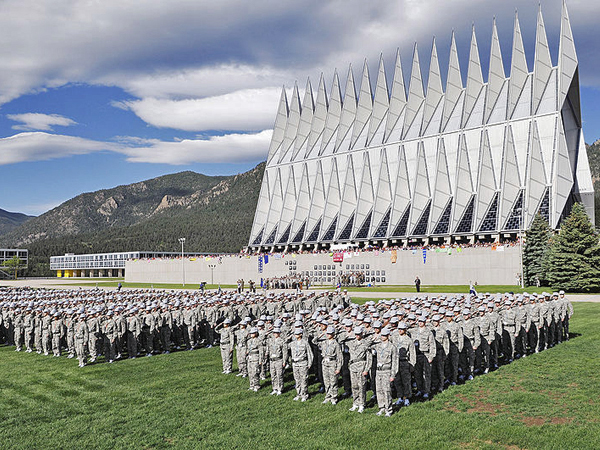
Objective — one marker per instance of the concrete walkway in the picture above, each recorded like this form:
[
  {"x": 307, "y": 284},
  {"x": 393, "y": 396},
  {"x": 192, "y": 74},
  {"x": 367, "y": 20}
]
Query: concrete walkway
[{"x": 57, "y": 283}]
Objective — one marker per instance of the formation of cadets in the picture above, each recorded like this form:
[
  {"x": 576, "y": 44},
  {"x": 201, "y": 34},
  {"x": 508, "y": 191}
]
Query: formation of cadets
[{"x": 404, "y": 349}]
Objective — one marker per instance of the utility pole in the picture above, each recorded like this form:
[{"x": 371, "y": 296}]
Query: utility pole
[
  {"x": 521, "y": 226},
  {"x": 182, "y": 241}
]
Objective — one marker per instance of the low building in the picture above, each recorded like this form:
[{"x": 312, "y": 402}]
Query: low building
[
  {"x": 7, "y": 254},
  {"x": 102, "y": 264}
]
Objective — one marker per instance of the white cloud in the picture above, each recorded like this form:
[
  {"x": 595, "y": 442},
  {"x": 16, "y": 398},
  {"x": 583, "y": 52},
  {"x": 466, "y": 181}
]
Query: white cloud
[
  {"x": 202, "y": 82},
  {"x": 38, "y": 121},
  {"x": 39, "y": 146},
  {"x": 181, "y": 49},
  {"x": 246, "y": 110},
  {"x": 218, "y": 65},
  {"x": 217, "y": 149}
]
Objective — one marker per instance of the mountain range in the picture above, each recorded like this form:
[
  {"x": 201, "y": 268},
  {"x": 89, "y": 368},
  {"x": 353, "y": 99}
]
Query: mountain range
[
  {"x": 213, "y": 213},
  {"x": 10, "y": 220}
]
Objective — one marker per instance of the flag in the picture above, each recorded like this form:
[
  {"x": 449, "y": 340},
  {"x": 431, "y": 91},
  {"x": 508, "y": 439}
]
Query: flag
[
  {"x": 266, "y": 259},
  {"x": 260, "y": 266},
  {"x": 394, "y": 256},
  {"x": 424, "y": 255}
]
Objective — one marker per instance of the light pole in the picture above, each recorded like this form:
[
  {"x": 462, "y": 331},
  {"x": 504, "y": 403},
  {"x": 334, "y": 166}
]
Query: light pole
[
  {"x": 212, "y": 268},
  {"x": 182, "y": 241},
  {"x": 521, "y": 213}
]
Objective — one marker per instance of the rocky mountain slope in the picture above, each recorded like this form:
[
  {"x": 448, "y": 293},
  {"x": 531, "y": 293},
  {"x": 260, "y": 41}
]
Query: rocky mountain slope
[
  {"x": 10, "y": 220},
  {"x": 214, "y": 214}
]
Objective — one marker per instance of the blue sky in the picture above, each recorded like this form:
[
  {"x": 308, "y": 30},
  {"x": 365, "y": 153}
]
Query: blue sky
[{"x": 98, "y": 94}]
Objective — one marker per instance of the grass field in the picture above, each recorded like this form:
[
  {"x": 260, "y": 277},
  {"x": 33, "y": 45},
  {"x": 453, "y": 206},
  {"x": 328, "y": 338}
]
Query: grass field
[
  {"x": 182, "y": 400},
  {"x": 445, "y": 288},
  {"x": 188, "y": 286},
  {"x": 449, "y": 289}
]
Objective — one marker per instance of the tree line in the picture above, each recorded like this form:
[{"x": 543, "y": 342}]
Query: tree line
[{"x": 567, "y": 260}]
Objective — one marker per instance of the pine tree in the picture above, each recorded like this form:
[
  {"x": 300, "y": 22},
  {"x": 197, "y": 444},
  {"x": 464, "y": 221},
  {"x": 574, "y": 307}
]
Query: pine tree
[
  {"x": 534, "y": 253},
  {"x": 573, "y": 260}
]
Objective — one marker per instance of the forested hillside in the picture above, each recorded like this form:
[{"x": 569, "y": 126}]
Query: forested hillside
[{"x": 214, "y": 214}]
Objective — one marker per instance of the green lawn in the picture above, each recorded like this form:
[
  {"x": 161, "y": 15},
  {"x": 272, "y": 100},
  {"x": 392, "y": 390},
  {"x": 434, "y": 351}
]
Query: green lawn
[
  {"x": 182, "y": 400},
  {"x": 189, "y": 286},
  {"x": 444, "y": 288}
]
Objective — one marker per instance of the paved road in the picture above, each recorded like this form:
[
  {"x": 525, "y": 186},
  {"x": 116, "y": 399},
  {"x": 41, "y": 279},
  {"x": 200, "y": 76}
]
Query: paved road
[{"x": 74, "y": 283}]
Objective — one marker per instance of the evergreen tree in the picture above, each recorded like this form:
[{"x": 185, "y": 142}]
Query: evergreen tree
[
  {"x": 534, "y": 253},
  {"x": 573, "y": 260}
]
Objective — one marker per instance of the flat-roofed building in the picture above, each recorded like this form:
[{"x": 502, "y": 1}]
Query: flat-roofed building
[
  {"x": 102, "y": 264},
  {"x": 7, "y": 254}
]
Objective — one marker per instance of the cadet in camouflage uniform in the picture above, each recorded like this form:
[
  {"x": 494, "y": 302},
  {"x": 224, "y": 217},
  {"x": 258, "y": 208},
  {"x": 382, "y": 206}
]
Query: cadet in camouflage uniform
[
  {"x": 341, "y": 337},
  {"x": 331, "y": 357},
  {"x": 93, "y": 335},
  {"x": 253, "y": 357},
  {"x": 121, "y": 322},
  {"x": 425, "y": 346},
  {"x": 456, "y": 340},
  {"x": 472, "y": 339},
  {"x": 166, "y": 325},
  {"x": 543, "y": 323},
  {"x": 360, "y": 365},
  {"x": 442, "y": 347},
  {"x": 241, "y": 337},
  {"x": 488, "y": 334},
  {"x": 264, "y": 361},
  {"x": 134, "y": 329},
  {"x": 80, "y": 336},
  {"x": 29, "y": 325},
  {"x": 227, "y": 339},
  {"x": 69, "y": 327},
  {"x": 148, "y": 330},
  {"x": 278, "y": 354},
  {"x": 302, "y": 359},
  {"x": 109, "y": 330},
  {"x": 523, "y": 322},
  {"x": 509, "y": 325},
  {"x": 37, "y": 332},
  {"x": 496, "y": 329},
  {"x": 189, "y": 327},
  {"x": 407, "y": 358},
  {"x": 57, "y": 333},
  {"x": 46, "y": 332},
  {"x": 18, "y": 330},
  {"x": 567, "y": 312},
  {"x": 387, "y": 368}
]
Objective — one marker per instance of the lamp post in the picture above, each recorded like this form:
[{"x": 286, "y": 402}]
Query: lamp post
[
  {"x": 182, "y": 241},
  {"x": 212, "y": 268},
  {"x": 521, "y": 212}
]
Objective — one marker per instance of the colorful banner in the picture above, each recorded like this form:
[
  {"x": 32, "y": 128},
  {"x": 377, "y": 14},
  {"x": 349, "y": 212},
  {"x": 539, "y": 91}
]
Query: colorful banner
[
  {"x": 424, "y": 255},
  {"x": 338, "y": 257},
  {"x": 394, "y": 256},
  {"x": 260, "y": 264}
]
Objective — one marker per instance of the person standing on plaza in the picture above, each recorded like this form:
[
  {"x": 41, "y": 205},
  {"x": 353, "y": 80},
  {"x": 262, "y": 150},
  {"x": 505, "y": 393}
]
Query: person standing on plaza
[{"x": 418, "y": 284}]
